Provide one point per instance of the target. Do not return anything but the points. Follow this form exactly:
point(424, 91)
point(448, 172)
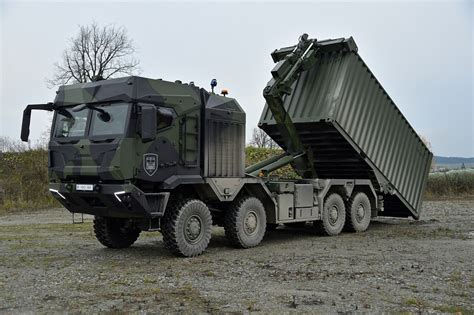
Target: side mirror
point(25, 125)
point(148, 123)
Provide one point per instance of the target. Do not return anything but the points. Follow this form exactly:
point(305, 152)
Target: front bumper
point(111, 200)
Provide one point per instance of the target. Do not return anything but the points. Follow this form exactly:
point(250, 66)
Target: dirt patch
point(49, 265)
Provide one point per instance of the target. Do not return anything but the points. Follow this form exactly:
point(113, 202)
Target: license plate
point(83, 187)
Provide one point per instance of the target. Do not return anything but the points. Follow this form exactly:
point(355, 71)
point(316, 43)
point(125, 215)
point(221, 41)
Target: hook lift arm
point(291, 61)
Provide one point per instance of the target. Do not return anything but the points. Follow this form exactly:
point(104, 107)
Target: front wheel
point(115, 232)
point(187, 227)
point(245, 222)
point(333, 216)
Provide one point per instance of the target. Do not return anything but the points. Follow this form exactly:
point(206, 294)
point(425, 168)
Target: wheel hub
point(360, 212)
point(333, 214)
point(251, 223)
point(193, 229)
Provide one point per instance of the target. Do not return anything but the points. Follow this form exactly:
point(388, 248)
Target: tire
point(333, 216)
point(359, 213)
point(187, 227)
point(245, 222)
point(115, 232)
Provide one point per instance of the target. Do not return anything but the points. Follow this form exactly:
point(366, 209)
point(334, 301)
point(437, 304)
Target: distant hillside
point(453, 162)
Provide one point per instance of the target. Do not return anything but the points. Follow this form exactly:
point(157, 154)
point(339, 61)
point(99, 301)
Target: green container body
point(355, 130)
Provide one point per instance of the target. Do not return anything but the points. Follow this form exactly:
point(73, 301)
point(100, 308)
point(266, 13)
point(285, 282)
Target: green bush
point(450, 184)
point(24, 180)
point(254, 155)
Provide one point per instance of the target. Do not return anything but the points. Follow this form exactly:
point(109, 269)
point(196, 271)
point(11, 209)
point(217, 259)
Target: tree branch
point(96, 52)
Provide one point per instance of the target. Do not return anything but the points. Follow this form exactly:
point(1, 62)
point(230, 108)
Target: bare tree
point(10, 145)
point(96, 53)
point(15, 145)
point(425, 141)
point(43, 140)
point(261, 140)
point(428, 145)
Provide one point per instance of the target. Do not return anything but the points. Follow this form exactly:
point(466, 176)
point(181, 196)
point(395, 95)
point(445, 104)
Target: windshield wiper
point(103, 115)
point(65, 113)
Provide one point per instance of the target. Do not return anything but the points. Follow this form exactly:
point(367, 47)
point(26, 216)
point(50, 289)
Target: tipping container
point(354, 129)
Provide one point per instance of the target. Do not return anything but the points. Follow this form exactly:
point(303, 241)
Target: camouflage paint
point(122, 159)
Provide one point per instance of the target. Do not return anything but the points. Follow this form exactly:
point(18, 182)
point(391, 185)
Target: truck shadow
point(154, 248)
point(149, 248)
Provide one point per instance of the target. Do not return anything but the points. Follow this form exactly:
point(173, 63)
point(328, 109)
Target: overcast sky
point(421, 52)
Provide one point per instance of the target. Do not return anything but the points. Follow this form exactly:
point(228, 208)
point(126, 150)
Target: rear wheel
point(245, 222)
point(115, 232)
point(359, 213)
point(333, 216)
point(187, 227)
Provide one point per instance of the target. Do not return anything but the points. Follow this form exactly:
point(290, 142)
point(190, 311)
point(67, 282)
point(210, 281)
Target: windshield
point(71, 124)
point(101, 120)
point(114, 122)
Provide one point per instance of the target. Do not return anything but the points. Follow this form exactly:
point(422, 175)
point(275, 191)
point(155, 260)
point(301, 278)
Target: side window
point(164, 118)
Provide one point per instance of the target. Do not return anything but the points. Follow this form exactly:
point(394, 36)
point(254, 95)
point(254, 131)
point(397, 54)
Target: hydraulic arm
point(291, 61)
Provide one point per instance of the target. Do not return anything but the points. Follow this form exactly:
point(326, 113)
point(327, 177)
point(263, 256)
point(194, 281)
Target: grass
point(414, 232)
point(17, 237)
point(38, 260)
point(43, 238)
point(150, 234)
point(456, 276)
point(442, 232)
point(149, 280)
point(452, 309)
point(253, 307)
point(208, 273)
point(21, 229)
point(155, 291)
point(414, 302)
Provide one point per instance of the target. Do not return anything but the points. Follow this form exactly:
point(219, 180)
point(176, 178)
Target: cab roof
point(131, 89)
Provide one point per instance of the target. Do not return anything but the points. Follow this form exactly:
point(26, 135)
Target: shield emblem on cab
point(150, 163)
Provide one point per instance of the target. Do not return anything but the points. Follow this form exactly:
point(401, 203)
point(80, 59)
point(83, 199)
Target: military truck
point(144, 155)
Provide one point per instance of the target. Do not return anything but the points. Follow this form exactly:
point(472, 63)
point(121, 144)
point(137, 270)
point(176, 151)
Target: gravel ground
point(48, 265)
